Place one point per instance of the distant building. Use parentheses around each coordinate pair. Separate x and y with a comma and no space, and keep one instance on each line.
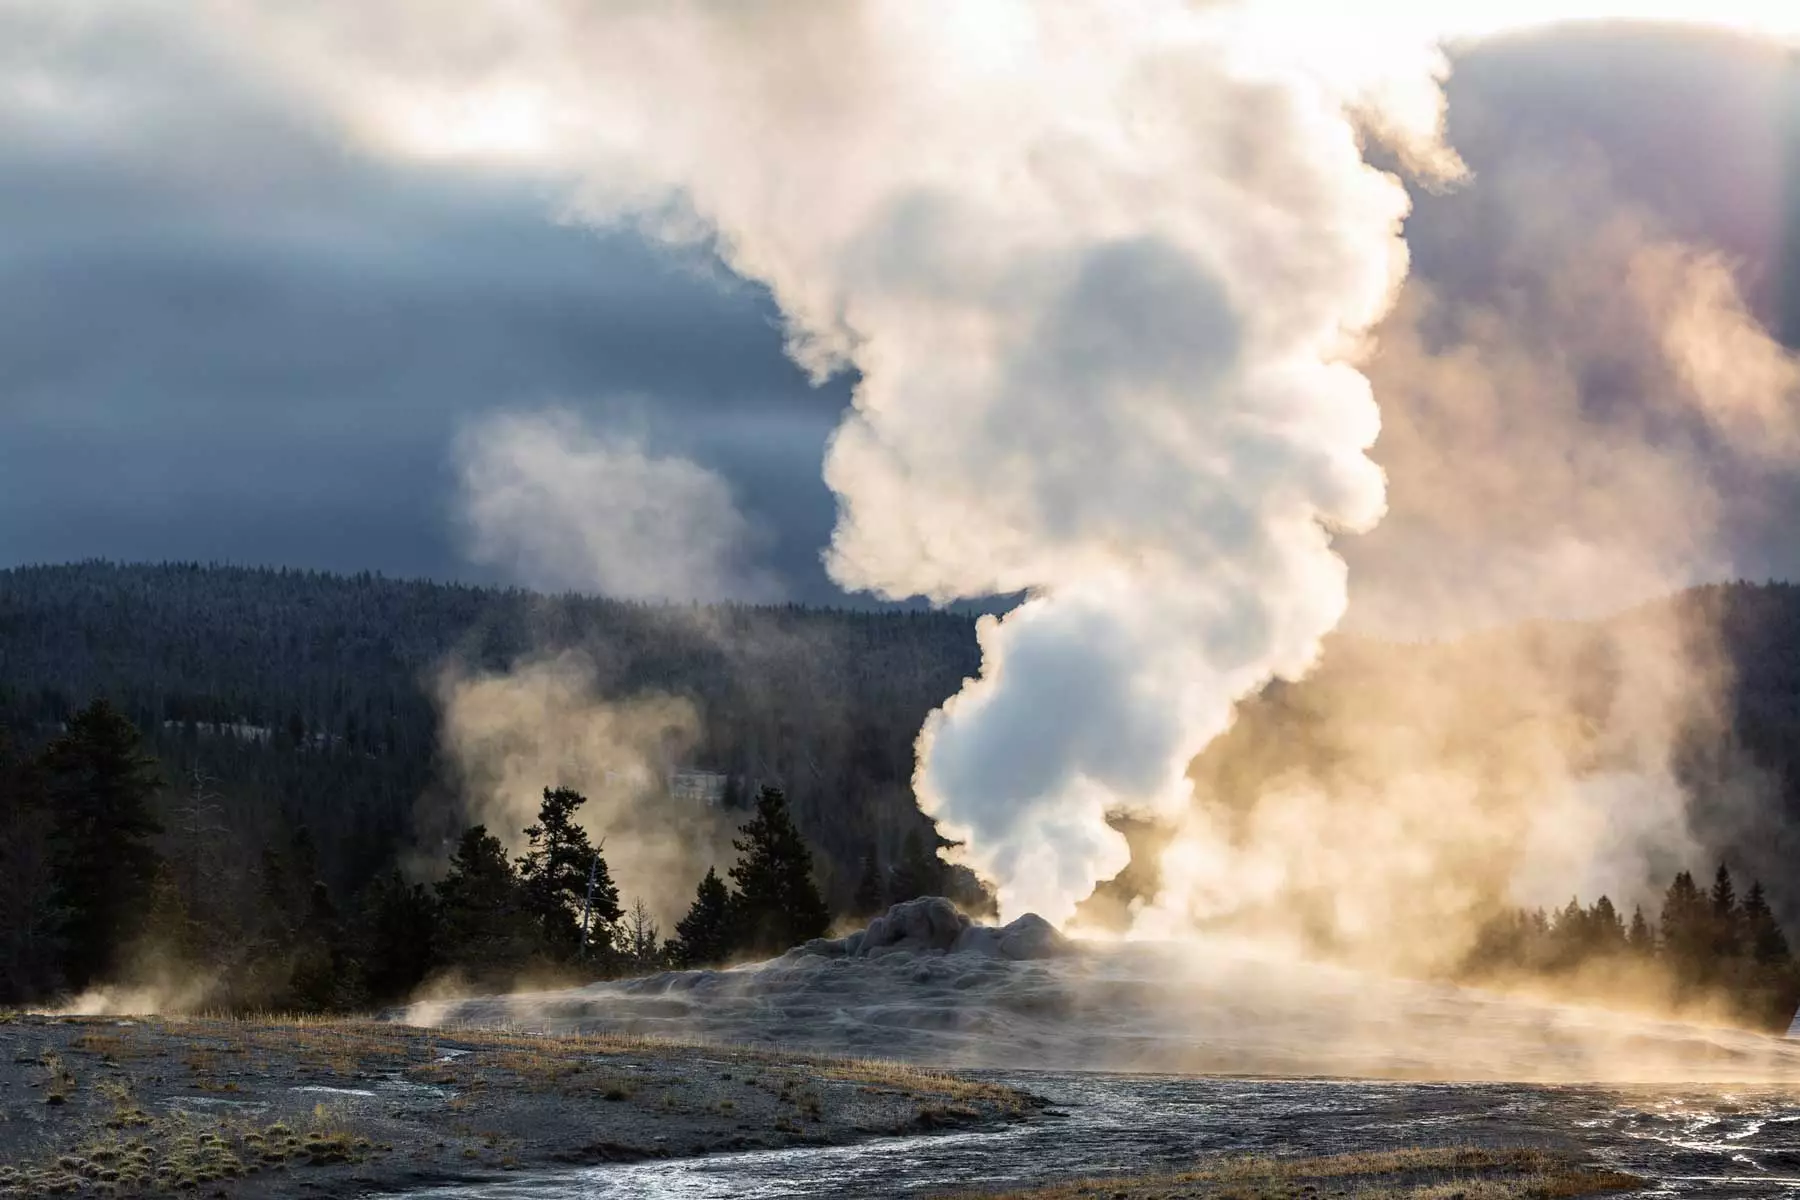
(702,789)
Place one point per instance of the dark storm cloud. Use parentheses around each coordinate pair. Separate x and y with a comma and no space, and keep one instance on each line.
(224,335)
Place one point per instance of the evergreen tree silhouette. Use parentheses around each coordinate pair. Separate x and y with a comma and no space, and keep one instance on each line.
(554,875)
(918,873)
(486,925)
(870,896)
(395,936)
(703,937)
(776,904)
(1640,938)
(636,940)
(318,978)
(1606,932)
(1767,944)
(1726,939)
(1685,917)
(31,945)
(100,782)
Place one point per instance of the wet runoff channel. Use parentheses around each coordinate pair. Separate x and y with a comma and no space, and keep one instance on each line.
(1716,1142)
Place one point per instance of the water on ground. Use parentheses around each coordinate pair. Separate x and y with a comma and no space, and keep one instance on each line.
(1713,1142)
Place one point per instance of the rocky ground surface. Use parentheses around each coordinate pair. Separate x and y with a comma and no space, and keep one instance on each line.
(319,1107)
(925,984)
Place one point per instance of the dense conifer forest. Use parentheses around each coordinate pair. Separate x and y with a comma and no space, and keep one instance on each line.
(97,891)
(226,768)
(282,701)
(1709,951)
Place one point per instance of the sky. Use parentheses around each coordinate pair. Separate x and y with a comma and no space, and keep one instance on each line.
(230,333)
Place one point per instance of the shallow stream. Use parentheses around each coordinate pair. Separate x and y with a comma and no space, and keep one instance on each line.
(1713,1142)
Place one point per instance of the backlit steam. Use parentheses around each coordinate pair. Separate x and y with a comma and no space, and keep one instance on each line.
(1099,267)
(564,506)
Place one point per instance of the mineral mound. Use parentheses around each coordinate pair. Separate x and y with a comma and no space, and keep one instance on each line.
(933,924)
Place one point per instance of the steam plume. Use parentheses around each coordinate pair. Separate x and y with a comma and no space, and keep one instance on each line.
(564,507)
(1097,272)
(1101,269)
(546,722)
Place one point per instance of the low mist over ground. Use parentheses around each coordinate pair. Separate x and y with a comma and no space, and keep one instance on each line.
(932,988)
(349,726)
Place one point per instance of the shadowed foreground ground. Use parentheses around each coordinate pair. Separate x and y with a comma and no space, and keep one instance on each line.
(276,1108)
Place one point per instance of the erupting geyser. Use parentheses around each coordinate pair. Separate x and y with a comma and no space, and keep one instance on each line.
(1101,270)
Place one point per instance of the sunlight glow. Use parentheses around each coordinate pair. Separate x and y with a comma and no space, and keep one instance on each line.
(507,123)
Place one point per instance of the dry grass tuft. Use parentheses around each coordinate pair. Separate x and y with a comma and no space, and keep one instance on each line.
(180,1153)
(59,1080)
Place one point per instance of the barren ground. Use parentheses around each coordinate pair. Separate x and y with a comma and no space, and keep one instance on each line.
(312,1107)
(1446,1173)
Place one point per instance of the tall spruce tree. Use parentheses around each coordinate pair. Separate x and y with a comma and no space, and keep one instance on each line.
(918,873)
(1606,931)
(776,904)
(869,899)
(30,926)
(1726,936)
(554,872)
(321,974)
(703,937)
(486,926)
(100,784)
(1767,944)
(1685,920)
(636,941)
(1641,939)
(395,936)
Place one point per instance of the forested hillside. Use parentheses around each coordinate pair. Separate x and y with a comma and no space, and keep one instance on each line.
(294,720)
(295,700)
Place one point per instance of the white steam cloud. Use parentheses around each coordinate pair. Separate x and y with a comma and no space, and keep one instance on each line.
(1102,268)
(546,722)
(561,506)
(1098,271)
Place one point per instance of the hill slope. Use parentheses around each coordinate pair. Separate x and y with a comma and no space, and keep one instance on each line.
(311,700)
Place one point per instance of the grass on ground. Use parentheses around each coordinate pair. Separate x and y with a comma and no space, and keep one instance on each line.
(136,1154)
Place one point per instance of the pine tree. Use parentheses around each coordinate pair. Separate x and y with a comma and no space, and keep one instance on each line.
(1606,932)
(637,940)
(1569,935)
(318,977)
(1684,925)
(30,922)
(485,925)
(395,936)
(919,872)
(1767,944)
(169,937)
(703,937)
(1726,919)
(100,783)
(1641,939)
(554,872)
(870,895)
(776,904)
